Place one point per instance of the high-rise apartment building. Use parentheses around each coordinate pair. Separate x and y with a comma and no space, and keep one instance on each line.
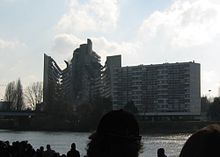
(79,82)
(111,63)
(160,89)
(51,84)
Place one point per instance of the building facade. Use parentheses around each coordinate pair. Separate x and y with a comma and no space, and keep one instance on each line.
(51,84)
(111,63)
(161,89)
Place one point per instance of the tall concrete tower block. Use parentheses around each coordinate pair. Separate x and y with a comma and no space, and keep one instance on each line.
(112,62)
(78,83)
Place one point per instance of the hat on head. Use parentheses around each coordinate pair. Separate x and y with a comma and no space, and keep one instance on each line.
(120,124)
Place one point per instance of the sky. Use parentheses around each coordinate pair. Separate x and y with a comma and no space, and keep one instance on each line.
(142,31)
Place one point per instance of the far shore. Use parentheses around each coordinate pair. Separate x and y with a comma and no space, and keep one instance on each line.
(146,127)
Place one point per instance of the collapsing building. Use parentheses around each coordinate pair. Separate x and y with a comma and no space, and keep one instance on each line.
(78,83)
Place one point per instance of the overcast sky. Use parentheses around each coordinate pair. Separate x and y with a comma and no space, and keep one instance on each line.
(143,31)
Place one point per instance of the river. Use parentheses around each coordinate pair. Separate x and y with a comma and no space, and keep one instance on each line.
(61,141)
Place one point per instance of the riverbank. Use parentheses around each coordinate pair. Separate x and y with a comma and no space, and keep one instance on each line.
(146,127)
(161,127)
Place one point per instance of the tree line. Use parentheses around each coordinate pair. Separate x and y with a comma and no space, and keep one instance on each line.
(214,109)
(211,107)
(23,99)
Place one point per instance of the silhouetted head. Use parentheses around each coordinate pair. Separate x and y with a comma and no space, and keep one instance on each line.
(48,147)
(203,143)
(117,135)
(41,148)
(73,146)
(161,152)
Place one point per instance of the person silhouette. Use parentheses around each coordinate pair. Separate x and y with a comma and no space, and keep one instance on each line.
(203,143)
(73,152)
(49,152)
(117,135)
(161,152)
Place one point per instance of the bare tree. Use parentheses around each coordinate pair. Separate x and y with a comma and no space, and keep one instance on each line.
(14,95)
(34,94)
(19,96)
(10,94)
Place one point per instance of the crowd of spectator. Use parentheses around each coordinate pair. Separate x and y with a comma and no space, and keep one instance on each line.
(25,149)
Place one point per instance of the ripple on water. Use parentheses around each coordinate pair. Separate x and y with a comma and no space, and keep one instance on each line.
(61,141)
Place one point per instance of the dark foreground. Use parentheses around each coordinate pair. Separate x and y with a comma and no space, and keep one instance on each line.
(146,127)
(25,149)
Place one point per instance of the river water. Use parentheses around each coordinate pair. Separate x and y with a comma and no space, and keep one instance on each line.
(61,141)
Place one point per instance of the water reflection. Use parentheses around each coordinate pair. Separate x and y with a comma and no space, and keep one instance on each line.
(61,141)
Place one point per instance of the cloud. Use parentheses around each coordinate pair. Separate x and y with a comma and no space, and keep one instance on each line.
(211,83)
(92,15)
(186,23)
(105,47)
(64,44)
(7,44)
(97,16)
(17,61)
